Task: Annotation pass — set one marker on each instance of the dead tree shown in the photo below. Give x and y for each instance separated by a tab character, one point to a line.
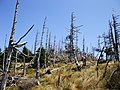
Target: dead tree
46	51
4	52
59	47
11	46
116	38
10	50
111	40
35	46
62	52
49	46
101	55
49	42
84	56
83	45
39	53
24	67
71	37
15	63
105	45
70	45
54	51
77	49
99	46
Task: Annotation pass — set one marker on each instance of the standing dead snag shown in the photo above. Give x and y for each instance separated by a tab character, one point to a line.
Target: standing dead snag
77	49
71	37
11	46
70	45
54	51
35	45
24	67
84	56
38	59
49	42
15	63
46	51
116	38
10	50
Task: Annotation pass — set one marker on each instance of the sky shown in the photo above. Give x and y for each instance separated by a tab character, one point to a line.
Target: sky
92	14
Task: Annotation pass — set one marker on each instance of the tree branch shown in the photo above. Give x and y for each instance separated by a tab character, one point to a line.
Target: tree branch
24	35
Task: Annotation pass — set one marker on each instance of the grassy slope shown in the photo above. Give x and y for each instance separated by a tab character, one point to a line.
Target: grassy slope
68	79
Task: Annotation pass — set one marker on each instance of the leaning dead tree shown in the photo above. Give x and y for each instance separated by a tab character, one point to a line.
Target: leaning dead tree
39	53
11	46
70	45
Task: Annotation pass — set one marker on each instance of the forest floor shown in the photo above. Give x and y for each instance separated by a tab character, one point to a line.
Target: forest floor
68	78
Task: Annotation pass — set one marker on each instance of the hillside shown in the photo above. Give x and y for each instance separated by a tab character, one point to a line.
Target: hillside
67	78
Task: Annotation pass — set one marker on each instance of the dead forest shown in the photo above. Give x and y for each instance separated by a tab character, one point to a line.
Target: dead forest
62	66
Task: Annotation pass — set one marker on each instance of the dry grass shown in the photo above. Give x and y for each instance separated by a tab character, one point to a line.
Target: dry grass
86	79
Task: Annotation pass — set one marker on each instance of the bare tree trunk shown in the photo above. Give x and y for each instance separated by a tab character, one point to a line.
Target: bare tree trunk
84	56
71	37
105	43
49	43
76	49
116	38
15	64
72	50
99	47
12	45
38	60
83	45
35	45
4	52
54	51
10	50
24	67
46	51
99	60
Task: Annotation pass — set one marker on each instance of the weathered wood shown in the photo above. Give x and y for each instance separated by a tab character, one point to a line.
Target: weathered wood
15	63
24	67
38	59
10	50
